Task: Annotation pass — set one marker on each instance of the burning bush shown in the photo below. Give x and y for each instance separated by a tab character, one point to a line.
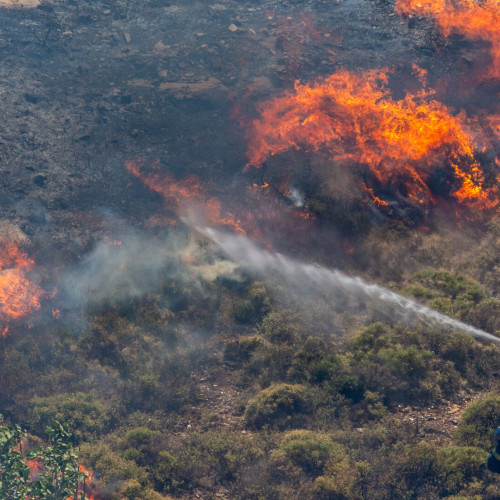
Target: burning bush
391	145
46	472
474	20
19	297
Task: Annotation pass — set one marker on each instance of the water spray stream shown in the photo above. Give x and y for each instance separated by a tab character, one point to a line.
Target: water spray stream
239	248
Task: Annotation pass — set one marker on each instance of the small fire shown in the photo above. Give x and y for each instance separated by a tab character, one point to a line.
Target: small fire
188	190
36	468
86	487
355	119
18	296
269	217
476	20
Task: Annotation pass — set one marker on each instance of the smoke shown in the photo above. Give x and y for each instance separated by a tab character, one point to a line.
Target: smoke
296	197
315	281
134	264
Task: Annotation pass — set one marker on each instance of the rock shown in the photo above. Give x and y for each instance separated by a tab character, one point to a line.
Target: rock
19	3
140	82
11	233
160	47
261	85
233	27
205	88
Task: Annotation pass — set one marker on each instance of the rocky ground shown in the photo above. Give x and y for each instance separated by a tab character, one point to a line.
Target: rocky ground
88	85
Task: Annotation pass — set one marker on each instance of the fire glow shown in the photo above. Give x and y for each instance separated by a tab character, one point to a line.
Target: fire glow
355	119
472	19
178	194
18	296
85	488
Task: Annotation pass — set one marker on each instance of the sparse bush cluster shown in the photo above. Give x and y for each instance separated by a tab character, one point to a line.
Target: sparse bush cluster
144	392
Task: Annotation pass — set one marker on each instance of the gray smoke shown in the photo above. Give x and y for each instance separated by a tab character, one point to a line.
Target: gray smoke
315	280
134	264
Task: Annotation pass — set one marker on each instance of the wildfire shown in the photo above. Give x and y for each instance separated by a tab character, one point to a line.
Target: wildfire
86	486
357	122
18	296
188	190
36	468
476	20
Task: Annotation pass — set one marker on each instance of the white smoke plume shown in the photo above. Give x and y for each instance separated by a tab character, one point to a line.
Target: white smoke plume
133	264
313	279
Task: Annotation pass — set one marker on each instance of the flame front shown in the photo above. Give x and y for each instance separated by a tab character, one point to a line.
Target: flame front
476	20
18	296
357	121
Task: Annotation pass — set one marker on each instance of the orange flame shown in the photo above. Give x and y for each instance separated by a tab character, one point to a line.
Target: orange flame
36	468
86	487
18	296
476	20
186	190
356	120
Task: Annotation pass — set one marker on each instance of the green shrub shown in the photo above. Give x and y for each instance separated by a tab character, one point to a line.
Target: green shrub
164	470
239	351
85	417
415	471
280	405
308	449
139	437
479	420
242	312
205	460
280	327
339	477
396	364
270	362
370	340
112	467
312	363
459	465
458	296
451	285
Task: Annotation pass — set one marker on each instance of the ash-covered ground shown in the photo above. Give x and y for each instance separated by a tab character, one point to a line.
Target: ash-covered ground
86	86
